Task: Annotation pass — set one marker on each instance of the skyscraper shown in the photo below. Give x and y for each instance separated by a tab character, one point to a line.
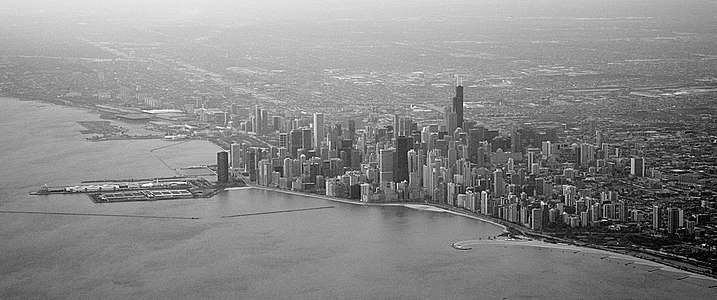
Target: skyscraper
515	139
307	138
287	168
385	165
222	167
451	119
536	215
318	130
414	167
498	184
396	126
257	126
284	140
673	220
587	153
637	166
236	154
295	141
400	165
458	105
352	130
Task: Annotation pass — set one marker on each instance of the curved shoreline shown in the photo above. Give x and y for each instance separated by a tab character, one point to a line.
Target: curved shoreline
406	204
526	242
466	245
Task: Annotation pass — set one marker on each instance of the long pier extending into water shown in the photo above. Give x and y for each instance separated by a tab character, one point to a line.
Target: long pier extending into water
95	215
277	212
126	190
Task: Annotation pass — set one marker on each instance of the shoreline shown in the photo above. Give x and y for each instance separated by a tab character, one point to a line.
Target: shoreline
406	204
586	250
525	239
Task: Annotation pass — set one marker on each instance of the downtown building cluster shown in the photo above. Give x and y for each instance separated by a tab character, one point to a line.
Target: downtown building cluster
534	182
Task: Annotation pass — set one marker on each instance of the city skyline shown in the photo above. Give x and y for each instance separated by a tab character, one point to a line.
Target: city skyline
360	149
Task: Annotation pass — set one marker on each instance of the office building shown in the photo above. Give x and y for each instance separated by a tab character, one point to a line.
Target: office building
656	217
498	184
458	105
637	166
385	165
673	220
222	167
318	130
400	165
236	155
257	122
536	217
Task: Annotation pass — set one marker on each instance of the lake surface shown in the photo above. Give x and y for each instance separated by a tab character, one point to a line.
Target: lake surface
345	251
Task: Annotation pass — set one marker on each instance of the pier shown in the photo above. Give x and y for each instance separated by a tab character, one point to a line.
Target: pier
277	212
128	190
95	215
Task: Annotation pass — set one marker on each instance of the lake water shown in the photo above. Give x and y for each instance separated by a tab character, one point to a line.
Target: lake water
345	251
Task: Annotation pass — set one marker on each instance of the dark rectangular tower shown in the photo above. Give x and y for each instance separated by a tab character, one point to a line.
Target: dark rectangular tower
400	164
222	167
458	105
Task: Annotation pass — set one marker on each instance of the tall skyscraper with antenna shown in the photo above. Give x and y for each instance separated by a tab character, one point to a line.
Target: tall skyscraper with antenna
318	130
458	103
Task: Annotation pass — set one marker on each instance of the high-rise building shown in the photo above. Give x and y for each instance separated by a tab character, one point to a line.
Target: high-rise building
307	139
415	166
406	126
396	126
623	211
516	141
222	167
318	129
385	165
458	105
485	203
531	158
536	217
400	166
637	166
451	119
547	149
284	140
587	153
352	130
656	217
236	155
673	220
475	137
258	121
498	184
295	141
681	220
287	168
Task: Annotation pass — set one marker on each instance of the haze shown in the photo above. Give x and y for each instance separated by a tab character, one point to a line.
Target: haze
313	9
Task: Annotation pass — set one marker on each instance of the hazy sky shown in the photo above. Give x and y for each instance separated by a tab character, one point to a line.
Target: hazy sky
311	9
179	8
